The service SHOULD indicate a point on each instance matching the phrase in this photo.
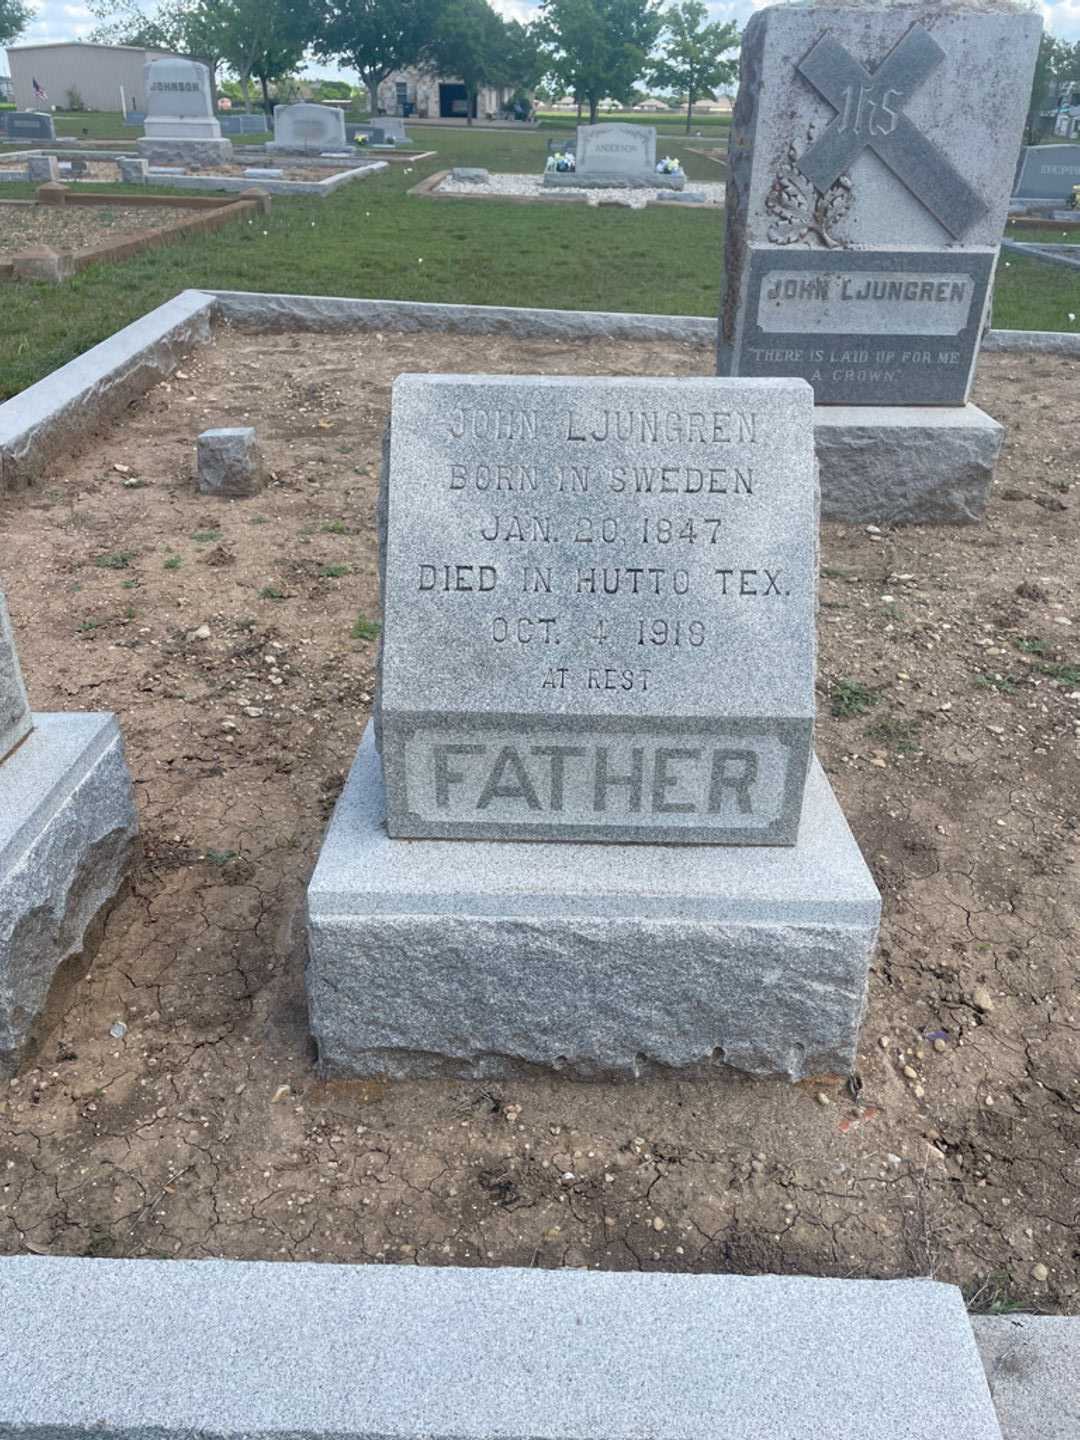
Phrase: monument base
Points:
(166, 151)
(905, 464)
(67, 834)
(613, 180)
(476, 959)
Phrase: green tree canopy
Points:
(695, 57)
(1058, 61)
(372, 37)
(598, 48)
(14, 17)
(470, 42)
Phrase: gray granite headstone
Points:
(872, 156)
(15, 719)
(309, 126)
(42, 169)
(28, 125)
(615, 155)
(1049, 172)
(180, 121)
(599, 608)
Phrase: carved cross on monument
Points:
(870, 116)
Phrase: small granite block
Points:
(67, 835)
(598, 608)
(229, 462)
(42, 263)
(132, 171)
(684, 197)
(905, 464)
(1032, 1363)
(15, 721)
(470, 174)
(434, 958)
(42, 168)
(230, 1350)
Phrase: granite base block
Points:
(491, 958)
(905, 464)
(228, 1350)
(1032, 1364)
(186, 152)
(612, 180)
(67, 836)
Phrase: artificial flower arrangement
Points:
(668, 166)
(563, 162)
(360, 139)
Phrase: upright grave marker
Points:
(1049, 172)
(27, 125)
(599, 609)
(599, 629)
(180, 123)
(309, 128)
(612, 155)
(871, 161)
(67, 836)
(15, 721)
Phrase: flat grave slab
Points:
(599, 608)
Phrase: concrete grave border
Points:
(226, 184)
(427, 189)
(42, 420)
(58, 265)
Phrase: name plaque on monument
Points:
(15, 719)
(884, 328)
(598, 608)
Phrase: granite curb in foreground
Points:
(227, 1350)
(491, 958)
(67, 836)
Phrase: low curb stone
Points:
(250, 1351)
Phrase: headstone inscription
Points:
(615, 155)
(67, 836)
(870, 167)
(308, 127)
(1048, 172)
(599, 609)
(598, 629)
(15, 720)
(180, 121)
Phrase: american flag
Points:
(39, 93)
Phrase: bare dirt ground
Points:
(228, 637)
(23, 226)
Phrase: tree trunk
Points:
(470, 104)
(593, 103)
(372, 88)
(265, 94)
(245, 90)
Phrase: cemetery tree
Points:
(695, 59)
(14, 17)
(372, 37)
(598, 48)
(261, 38)
(472, 43)
(188, 27)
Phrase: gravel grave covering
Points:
(23, 226)
(532, 187)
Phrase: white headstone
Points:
(179, 101)
(309, 127)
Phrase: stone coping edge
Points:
(44, 418)
(428, 189)
(241, 1350)
(1039, 252)
(38, 423)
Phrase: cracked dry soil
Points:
(223, 635)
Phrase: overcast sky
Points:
(69, 20)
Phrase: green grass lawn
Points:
(371, 239)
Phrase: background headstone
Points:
(15, 719)
(309, 126)
(41, 169)
(872, 156)
(599, 609)
(1048, 172)
(180, 121)
(615, 154)
(27, 125)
